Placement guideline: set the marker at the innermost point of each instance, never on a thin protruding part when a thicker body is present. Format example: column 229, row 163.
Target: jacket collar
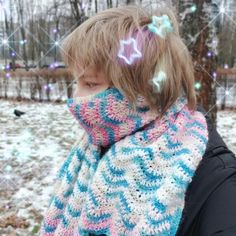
column 211, row 172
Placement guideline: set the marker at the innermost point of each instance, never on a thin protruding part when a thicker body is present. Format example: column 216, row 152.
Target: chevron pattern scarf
column 138, row 186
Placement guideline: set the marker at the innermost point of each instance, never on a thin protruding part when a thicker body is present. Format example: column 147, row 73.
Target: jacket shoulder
column 218, row 214
column 214, row 176
column 210, row 197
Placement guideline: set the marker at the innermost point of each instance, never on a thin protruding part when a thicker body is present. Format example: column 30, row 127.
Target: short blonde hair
column 96, row 43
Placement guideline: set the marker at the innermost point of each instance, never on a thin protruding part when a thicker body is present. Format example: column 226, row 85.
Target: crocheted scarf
column 138, row 186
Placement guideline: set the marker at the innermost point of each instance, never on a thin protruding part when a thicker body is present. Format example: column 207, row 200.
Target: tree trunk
column 204, row 68
column 22, row 30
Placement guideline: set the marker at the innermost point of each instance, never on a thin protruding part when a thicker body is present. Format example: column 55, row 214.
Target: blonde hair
column 96, row 43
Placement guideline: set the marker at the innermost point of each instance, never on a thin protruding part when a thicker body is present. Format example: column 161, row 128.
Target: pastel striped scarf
column 138, row 186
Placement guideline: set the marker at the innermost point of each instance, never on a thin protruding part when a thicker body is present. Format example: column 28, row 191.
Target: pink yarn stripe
column 94, row 130
column 98, row 226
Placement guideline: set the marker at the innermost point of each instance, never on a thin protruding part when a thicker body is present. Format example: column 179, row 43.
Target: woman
column 143, row 139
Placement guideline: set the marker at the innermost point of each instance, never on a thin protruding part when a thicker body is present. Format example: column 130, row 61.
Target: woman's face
column 90, row 83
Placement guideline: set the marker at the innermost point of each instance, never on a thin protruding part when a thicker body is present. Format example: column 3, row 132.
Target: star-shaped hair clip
column 157, row 80
column 160, row 25
column 132, row 47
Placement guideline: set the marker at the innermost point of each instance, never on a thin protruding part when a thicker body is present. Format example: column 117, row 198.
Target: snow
column 226, row 127
column 31, row 150
column 33, row 147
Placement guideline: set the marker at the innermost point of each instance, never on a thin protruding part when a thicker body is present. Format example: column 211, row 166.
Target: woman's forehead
column 92, row 72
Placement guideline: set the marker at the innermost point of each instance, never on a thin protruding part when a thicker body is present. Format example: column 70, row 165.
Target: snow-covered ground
column 33, row 147
column 226, row 127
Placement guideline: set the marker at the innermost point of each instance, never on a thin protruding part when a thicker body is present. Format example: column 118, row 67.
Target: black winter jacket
column 210, row 200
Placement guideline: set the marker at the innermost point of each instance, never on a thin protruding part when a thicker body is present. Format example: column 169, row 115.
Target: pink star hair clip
column 160, row 25
column 131, row 52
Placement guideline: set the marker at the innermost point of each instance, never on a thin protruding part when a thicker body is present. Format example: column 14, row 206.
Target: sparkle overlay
column 158, row 79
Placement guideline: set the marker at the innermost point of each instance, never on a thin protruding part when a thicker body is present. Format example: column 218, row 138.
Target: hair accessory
column 132, row 46
column 158, row 79
column 160, row 25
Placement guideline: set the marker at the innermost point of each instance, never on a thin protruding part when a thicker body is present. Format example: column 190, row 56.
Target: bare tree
column 7, row 32
column 129, row 2
column 78, row 11
column 21, row 15
column 12, row 42
column 96, row 6
column 197, row 31
column 31, row 46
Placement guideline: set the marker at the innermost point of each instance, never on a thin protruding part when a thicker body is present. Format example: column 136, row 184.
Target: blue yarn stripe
column 146, row 188
column 124, row 202
column 68, row 193
column 157, row 223
column 58, row 203
column 78, row 116
column 179, row 181
column 93, row 198
column 69, row 177
column 49, row 229
column 85, row 232
column 97, row 219
column 173, row 127
column 187, row 114
column 82, row 187
column 65, row 221
column 170, row 143
column 186, row 168
column 168, row 155
column 66, row 164
column 114, row 183
column 158, row 205
column 196, row 123
column 81, row 156
column 113, row 170
column 175, row 221
column 122, row 198
column 196, row 134
column 127, row 150
column 73, row 212
column 128, row 225
column 140, row 163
